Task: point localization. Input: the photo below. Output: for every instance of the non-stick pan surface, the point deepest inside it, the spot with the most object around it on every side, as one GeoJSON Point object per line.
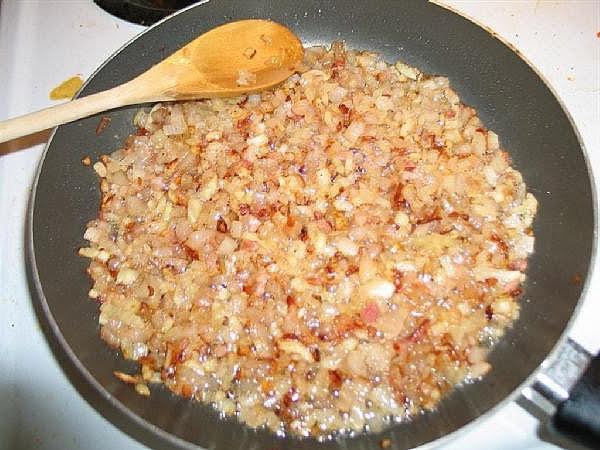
{"type": "Point", "coordinates": [511, 99]}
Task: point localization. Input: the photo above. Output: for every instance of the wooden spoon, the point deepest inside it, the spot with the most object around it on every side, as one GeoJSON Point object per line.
{"type": "Point", "coordinates": [230, 60]}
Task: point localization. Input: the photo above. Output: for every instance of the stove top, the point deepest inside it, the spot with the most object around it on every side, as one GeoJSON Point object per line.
{"type": "Point", "coordinates": [43, 42]}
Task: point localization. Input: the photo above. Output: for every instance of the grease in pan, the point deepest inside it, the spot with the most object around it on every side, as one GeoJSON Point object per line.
{"type": "Point", "coordinates": [322, 258]}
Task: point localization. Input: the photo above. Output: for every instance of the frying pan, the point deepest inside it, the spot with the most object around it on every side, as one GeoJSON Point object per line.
{"type": "Point", "coordinates": [534, 357]}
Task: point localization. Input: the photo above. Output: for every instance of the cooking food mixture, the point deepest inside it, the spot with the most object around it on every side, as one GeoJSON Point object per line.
{"type": "Point", "coordinates": [321, 258]}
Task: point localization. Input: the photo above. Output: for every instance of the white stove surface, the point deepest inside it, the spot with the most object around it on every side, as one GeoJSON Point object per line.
{"type": "Point", "coordinates": [43, 42]}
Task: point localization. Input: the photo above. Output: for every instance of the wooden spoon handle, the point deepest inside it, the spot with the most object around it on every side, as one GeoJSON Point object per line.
{"type": "Point", "coordinates": [65, 112]}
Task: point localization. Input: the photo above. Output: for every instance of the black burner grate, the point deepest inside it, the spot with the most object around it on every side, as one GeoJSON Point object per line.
{"type": "Point", "coordinates": [144, 12]}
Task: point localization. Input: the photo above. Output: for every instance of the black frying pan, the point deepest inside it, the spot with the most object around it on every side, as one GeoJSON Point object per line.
{"type": "Point", "coordinates": [511, 99]}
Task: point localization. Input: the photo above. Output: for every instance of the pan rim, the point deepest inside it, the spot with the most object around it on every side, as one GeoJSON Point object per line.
{"type": "Point", "coordinates": [122, 409]}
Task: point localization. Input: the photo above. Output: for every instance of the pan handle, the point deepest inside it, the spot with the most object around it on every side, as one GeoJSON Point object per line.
{"type": "Point", "coordinates": [567, 391]}
{"type": "Point", "coordinates": [579, 416]}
